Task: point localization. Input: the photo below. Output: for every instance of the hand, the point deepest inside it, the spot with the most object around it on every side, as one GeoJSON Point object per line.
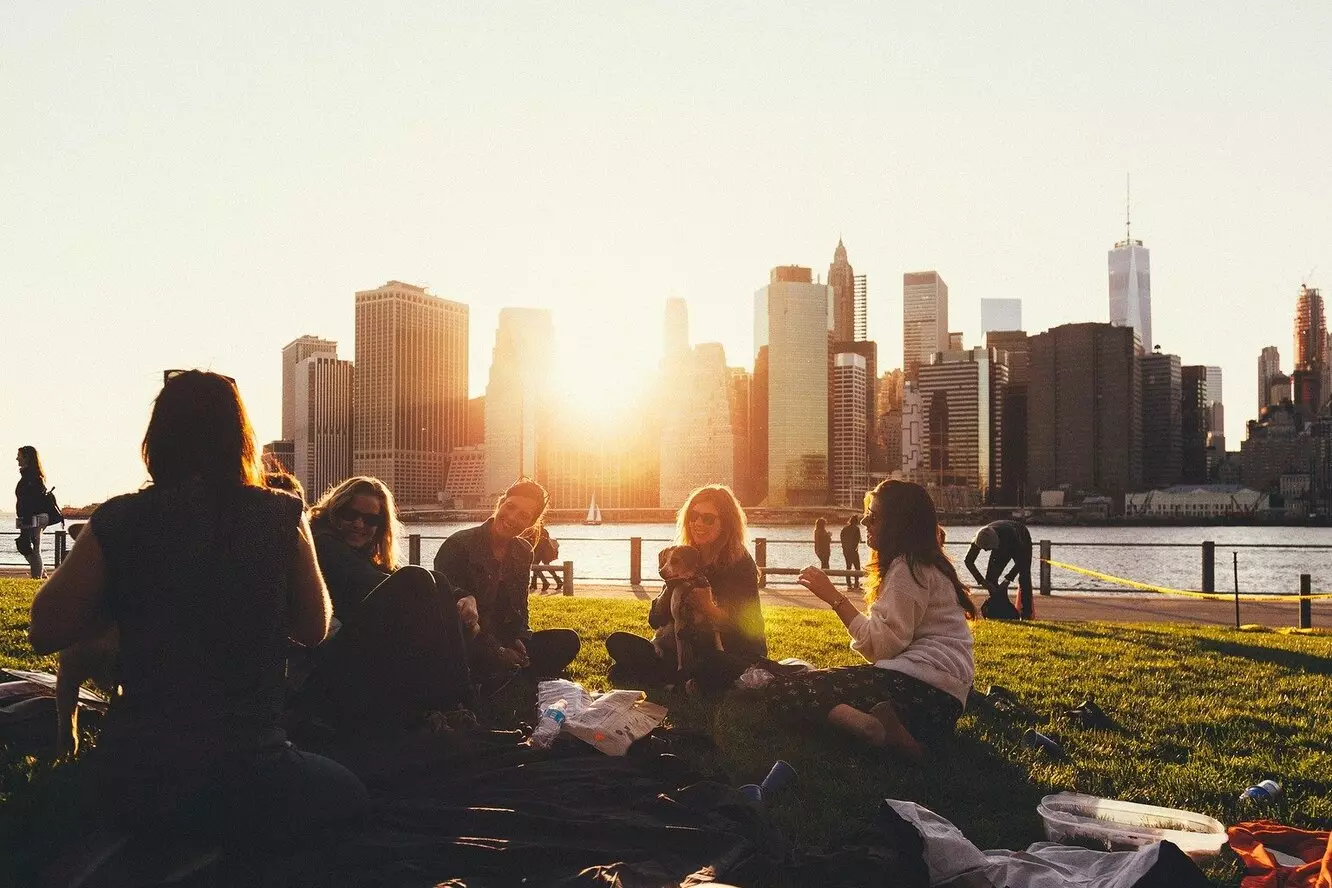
{"type": "Point", "coordinates": [817, 582]}
{"type": "Point", "coordinates": [513, 657]}
{"type": "Point", "coordinates": [468, 614]}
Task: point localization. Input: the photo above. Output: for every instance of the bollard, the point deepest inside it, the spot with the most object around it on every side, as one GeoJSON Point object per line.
{"type": "Point", "coordinates": [635, 561]}
{"type": "Point", "coordinates": [761, 559]}
{"type": "Point", "coordinates": [61, 543]}
{"type": "Point", "coordinates": [1045, 567]}
{"type": "Point", "coordinates": [1208, 566]}
{"type": "Point", "coordinates": [568, 578]}
{"type": "Point", "coordinates": [414, 549]}
{"type": "Point", "coordinates": [1306, 603]}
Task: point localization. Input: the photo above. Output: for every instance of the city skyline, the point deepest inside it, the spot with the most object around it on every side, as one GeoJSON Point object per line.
{"type": "Point", "coordinates": [198, 214]}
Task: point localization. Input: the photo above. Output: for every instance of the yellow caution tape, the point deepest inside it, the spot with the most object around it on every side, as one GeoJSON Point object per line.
{"type": "Point", "coordinates": [1148, 587]}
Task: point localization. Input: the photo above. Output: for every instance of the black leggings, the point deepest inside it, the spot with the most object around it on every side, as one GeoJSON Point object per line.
{"type": "Point", "coordinates": [400, 654]}
{"type": "Point", "coordinates": [636, 661]}
{"type": "Point", "coordinates": [550, 651]}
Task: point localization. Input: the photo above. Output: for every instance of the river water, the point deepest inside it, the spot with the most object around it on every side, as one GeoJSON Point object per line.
{"type": "Point", "coordinates": [1269, 559]}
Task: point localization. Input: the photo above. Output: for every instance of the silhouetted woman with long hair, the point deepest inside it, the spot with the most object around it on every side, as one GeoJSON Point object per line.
{"type": "Point", "coordinates": [915, 635]}
{"type": "Point", "coordinates": [207, 574]}
{"type": "Point", "coordinates": [30, 504]}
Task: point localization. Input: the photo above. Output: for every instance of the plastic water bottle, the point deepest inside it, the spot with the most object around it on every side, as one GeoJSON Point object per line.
{"type": "Point", "coordinates": [549, 725]}
{"type": "Point", "coordinates": [1265, 791]}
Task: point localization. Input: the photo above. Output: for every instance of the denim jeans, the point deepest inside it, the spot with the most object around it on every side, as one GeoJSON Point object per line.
{"type": "Point", "coordinates": [34, 536]}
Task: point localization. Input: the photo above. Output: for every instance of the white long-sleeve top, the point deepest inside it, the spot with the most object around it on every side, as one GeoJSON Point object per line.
{"type": "Point", "coordinates": [917, 627]}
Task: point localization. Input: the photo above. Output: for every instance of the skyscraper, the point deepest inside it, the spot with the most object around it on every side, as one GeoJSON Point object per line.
{"type": "Point", "coordinates": [1269, 368]}
{"type": "Point", "coordinates": [1310, 352]}
{"type": "Point", "coordinates": [411, 388]}
{"type": "Point", "coordinates": [1000, 314]}
{"type": "Point", "coordinates": [697, 438]}
{"type": "Point", "coordinates": [1162, 391]}
{"type": "Point", "coordinates": [861, 325]}
{"type": "Point", "coordinates": [1084, 421]}
{"type": "Point", "coordinates": [323, 427]}
{"type": "Point", "coordinates": [739, 387]}
{"type": "Point", "coordinates": [518, 398]}
{"type": "Point", "coordinates": [1131, 287]}
{"type": "Point", "coordinates": [962, 396]}
{"type": "Point", "coordinates": [842, 279]}
{"type": "Point", "coordinates": [1216, 411]}
{"type": "Point", "coordinates": [292, 354]}
{"type": "Point", "coordinates": [1011, 348]}
{"type": "Point", "coordinates": [1195, 412]}
{"type": "Point", "coordinates": [924, 319]}
{"type": "Point", "coordinates": [791, 326]}
{"type": "Point", "coordinates": [850, 437]}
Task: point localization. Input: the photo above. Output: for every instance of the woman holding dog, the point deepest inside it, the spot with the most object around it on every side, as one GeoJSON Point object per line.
{"type": "Point", "coordinates": [711, 521]}
{"type": "Point", "coordinates": [915, 635]}
{"type": "Point", "coordinates": [489, 567]}
{"type": "Point", "coordinates": [207, 574]}
{"type": "Point", "coordinates": [399, 651]}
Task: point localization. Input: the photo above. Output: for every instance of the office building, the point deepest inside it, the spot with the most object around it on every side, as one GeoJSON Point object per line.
{"type": "Point", "coordinates": [410, 406]}
{"type": "Point", "coordinates": [322, 441]}
{"type": "Point", "coordinates": [518, 397]}
{"type": "Point", "coordinates": [465, 478]}
{"type": "Point", "coordinates": [1084, 419]}
{"type": "Point", "coordinates": [1000, 314]}
{"type": "Point", "coordinates": [1269, 367]}
{"type": "Point", "coordinates": [962, 397]}
{"type": "Point", "coordinates": [915, 434]}
{"type": "Point", "coordinates": [1010, 348]}
{"type": "Point", "coordinates": [1310, 352]}
{"type": "Point", "coordinates": [870, 352]}
{"type": "Point", "coordinates": [1161, 423]}
{"type": "Point", "coordinates": [850, 436]}
{"type": "Point", "coordinates": [791, 327]}
{"type": "Point", "coordinates": [739, 390]}
{"type": "Point", "coordinates": [1194, 414]}
{"type": "Point", "coordinates": [861, 326]}
{"type": "Point", "coordinates": [1131, 288]}
{"type": "Point", "coordinates": [697, 440]}
{"type": "Point", "coordinates": [924, 319]}
{"type": "Point", "coordinates": [476, 422]}
{"type": "Point", "coordinates": [955, 342]}
{"type": "Point", "coordinates": [1216, 411]}
{"type": "Point", "coordinates": [292, 354]}
{"type": "Point", "coordinates": [842, 279]}
{"type": "Point", "coordinates": [617, 465]}
{"type": "Point", "coordinates": [279, 456]}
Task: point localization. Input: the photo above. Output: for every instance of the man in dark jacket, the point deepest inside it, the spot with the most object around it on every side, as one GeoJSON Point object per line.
{"type": "Point", "coordinates": [1007, 542]}
{"type": "Point", "coordinates": [851, 549]}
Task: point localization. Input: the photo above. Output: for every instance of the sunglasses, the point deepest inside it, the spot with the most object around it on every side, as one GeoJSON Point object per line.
{"type": "Point", "coordinates": [707, 519]}
{"type": "Point", "coordinates": [168, 375]}
{"type": "Point", "coordinates": [369, 519]}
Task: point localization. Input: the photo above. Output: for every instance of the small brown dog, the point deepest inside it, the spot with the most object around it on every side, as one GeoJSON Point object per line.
{"type": "Point", "coordinates": [686, 598]}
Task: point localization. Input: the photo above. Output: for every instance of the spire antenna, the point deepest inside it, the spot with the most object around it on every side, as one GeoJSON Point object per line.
{"type": "Point", "coordinates": [1128, 206]}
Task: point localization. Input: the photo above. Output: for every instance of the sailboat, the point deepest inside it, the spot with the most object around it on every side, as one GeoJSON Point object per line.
{"type": "Point", "coordinates": [593, 512]}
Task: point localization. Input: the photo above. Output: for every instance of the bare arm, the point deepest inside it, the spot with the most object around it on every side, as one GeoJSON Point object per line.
{"type": "Point", "coordinates": [71, 606]}
{"type": "Point", "coordinates": [311, 608]}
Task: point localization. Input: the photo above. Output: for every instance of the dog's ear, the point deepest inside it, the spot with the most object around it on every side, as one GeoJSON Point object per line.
{"type": "Point", "coordinates": [662, 556]}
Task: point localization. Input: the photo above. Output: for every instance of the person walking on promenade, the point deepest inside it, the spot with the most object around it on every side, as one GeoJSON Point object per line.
{"type": "Point", "coordinates": [822, 543]}
{"type": "Point", "coordinates": [711, 521]}
{"type": "Point", "coordinates": [851, 549]}
{"type": "Point", "coordinates": [489, 566]}
{"type": "Point", "coordinates": [207, 574]}
{"type": "Point", "coordinates": [399, 653]}
{"type": "Point", "coordinates": [915, 636]}
{"type": "Point", "coordinates": [30, 504]}
{"type": "Point", "coordinates": [1007, 542]}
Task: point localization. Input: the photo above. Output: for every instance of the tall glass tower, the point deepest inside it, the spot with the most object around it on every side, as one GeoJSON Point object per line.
{"type": "Point", "coordinates": [1131, 287]}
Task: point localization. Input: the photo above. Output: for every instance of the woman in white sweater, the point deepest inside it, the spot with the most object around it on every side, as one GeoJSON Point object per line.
{"type": "Point", "coordinates": [915, 634]}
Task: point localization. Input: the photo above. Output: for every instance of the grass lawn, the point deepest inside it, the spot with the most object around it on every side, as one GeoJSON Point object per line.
{"type": "Point", "coordinates": [1205, 713]}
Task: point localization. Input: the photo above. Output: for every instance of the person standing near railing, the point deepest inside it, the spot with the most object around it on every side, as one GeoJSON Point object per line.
{"type": "Point", "coordinates": [822, 543]}
{"type": "Point", "coordinates": [851, 550]}
{"type": "Point", "coordinates": [30, 497]}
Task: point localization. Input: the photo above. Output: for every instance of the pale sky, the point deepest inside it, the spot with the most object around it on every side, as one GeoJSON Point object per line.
{"type": "Point", "coordinates": [196, 184]}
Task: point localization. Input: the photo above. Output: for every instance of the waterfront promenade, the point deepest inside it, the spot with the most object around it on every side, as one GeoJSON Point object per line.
{"type": "Point", "coordinates": [1116, 608]}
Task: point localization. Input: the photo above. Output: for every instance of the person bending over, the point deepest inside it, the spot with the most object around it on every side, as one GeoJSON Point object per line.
{"type": "Point", "coordinates": [1007, 541]}
{"type": "Point", "coordinates": [711, 521]}
{"type": "Point", "coordinates": [915, 635]}
{"type": "Point", "coordinates": [207, 574]}
{"type": "Point", "coordinates": [488, 566]}
{"type": "Point", "coordinates": [399, 651]}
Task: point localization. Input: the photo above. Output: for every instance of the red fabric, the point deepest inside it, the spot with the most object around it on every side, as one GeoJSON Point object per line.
{"type": "Point", "coordinates": [1252, 840]}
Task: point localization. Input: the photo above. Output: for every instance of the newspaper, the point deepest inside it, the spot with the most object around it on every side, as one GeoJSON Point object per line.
{"type": "Point", "coordinates": [44, 683]}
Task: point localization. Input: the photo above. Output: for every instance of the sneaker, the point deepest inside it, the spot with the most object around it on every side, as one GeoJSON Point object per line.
{"type": "Point", "coordinates": [1092, 716]}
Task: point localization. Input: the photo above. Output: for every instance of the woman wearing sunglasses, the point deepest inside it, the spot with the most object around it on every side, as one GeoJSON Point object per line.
{"type": "Point", "coordinates": [398, 652]}
{"type": "Point", "coordinates": [712, 522]}
{"type": "Point", "coordinates": [207, 574]}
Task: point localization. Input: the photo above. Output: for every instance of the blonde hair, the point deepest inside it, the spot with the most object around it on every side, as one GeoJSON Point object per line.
{"type": "Point", "coordinates": [734, 542]}
{"type": "Point", "coordinates": [383, 548]}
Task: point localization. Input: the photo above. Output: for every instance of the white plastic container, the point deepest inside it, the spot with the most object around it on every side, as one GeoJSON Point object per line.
{"type": "Point", "coordinates": [1107, 824]}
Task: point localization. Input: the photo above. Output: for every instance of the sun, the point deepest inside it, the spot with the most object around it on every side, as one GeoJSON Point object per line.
{"type": "Point", "coordinates": [601, 378]}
